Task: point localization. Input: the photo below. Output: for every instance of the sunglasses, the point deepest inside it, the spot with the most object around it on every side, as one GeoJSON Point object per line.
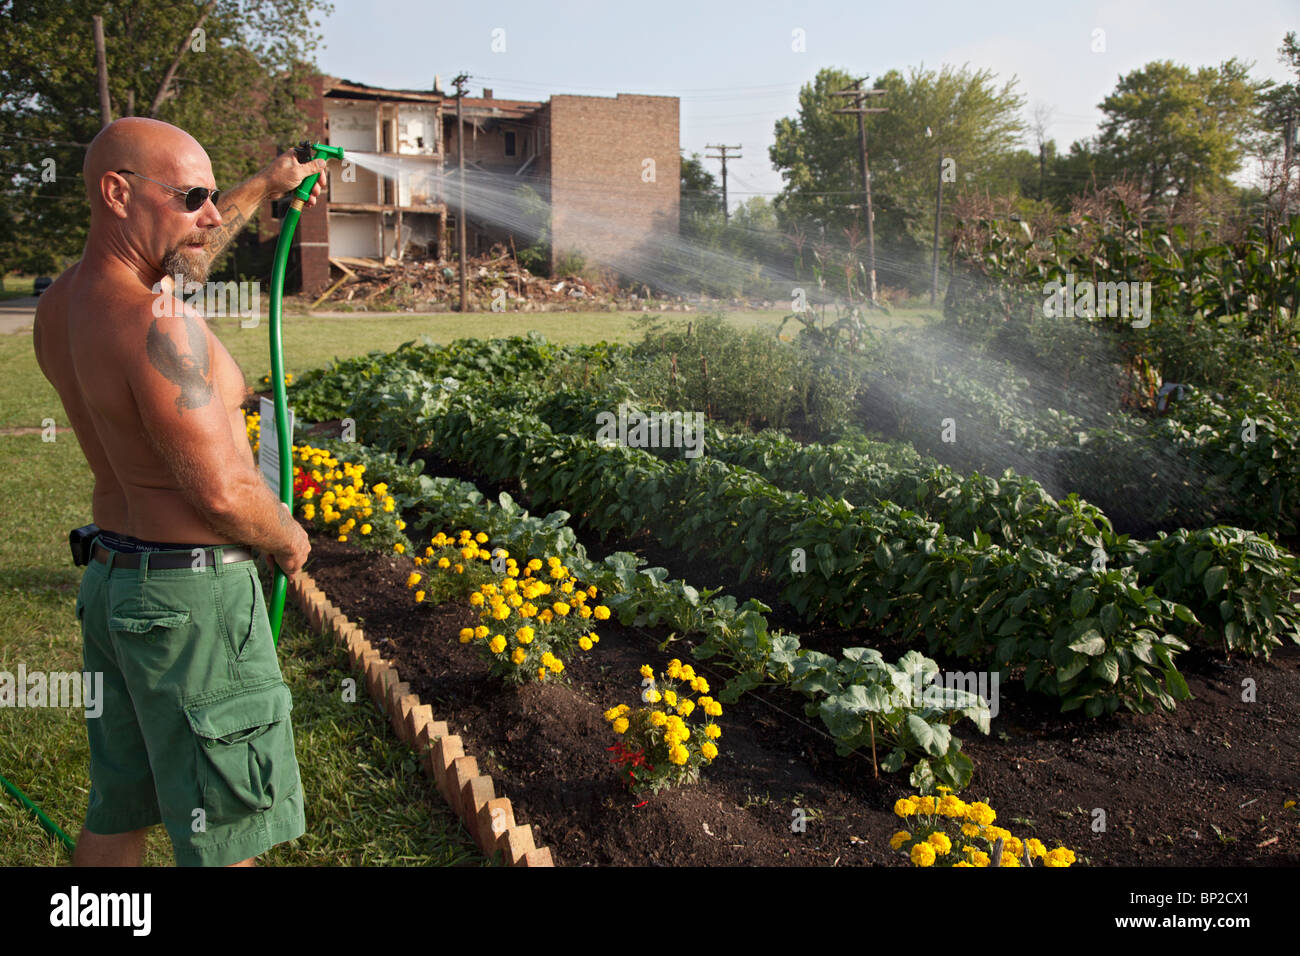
{"type": "Point", "coordinates": [195, 197]}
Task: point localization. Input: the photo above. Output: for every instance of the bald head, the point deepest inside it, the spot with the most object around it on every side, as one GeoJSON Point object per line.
{"type": "Point", "coordinates": [144, 218]}
{"type": "Point", "coordinates": [147, 146]}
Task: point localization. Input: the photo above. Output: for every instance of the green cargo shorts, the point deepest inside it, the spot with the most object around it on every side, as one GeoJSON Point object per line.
{"type": "Point", "coordinates": [194, 730]}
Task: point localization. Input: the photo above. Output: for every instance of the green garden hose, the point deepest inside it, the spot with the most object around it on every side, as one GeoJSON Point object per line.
{"type": "Point", "coordinates": [50, 826]}
{"type": "Point", "coordinates": [306, 153]}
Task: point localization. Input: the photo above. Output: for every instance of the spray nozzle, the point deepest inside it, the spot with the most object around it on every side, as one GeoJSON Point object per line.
{"type": "Point", "coordinates": [305, 153]}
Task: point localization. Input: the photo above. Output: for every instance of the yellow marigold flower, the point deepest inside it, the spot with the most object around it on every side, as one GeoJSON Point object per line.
{"type": "Point", "coordinates": [1059, 857]}
{"type": "Point", "coordinates": [399, 547]}
{"type": "Point", "coordinates": [658, 718]}
{"type": "Point", "coordinates": [688, 673]}
{"type": "Point", "coordinates": [534, 565]}
{"type": "Point", "coordinates": [556, 664]}
{"type": "Point", "coordinates": [591, 591]}
{"type": "Point", "coordinates": [904, 807]}
{"type": "Point", "coordinates": [601, 612]}
{"type": "Point", "coordinates": [413, 579]}
{"type": "Point", "coordinates": [518, 656]}
{"type": "Point", "coordinates": [380, 489]}
{"type": "Point", "coordinates": [513, 572]}
{"type": "Point", "coordinates": [670, 698]}
{"type": "Point", "coordinates": [708, 751]}
{"type": "Point", "coordinates": [713, 730]}
{"type": "Point", "coordinates": [714, 709]}
{"type": "Point", "coordinates": [567, 587]}
{"type": "Point", "coordinates": [584, 612]}
{"type": "Point", "coordinates": [428, 552]}
{"type": "Point", "coordinates": [922, 854]}
{"type": "Point", "coordinates": [981, 813]}
{"type": "Point", "coordinates": [459, 569]}
{"type": "Point", "coordinates": [308, 493]}
{"type": "Point", "coordinates": [497, 644]}
{"type": "Point", "coordinates": [925, 805]}
{"type": "Point", "coordinates": [940, 842]}
{"type": "Point", "coordinates": [1008, 859]}
{"type": "Point", "coordinates": [546, 616]}
{"type": "Point", "coordinates": [678, 755]}
{"type": "Point", "coordinates": [970, 830]}
{"type": "Point", "coordinates": [401, 525]}
{"type": "Point", "coordinates": [700, 685]}
{"type": "Point", "coordinates": [962, 863]}
{"type": "Point", "coordinates": [646, 671]}
{"type": "Point", "coordinates": [500, 612]}
{"type": "Point", "coordinates": [1013, 845]}
{"type": "Point", "coordinates": [466, 635]}
{"type": "Point", "coordinates": [620, 725]}
{"type": "Point", "coordinates": [951, 806]}
{"type": "Point", "coordinates": [476, 599]}
{"type": "Point", "coordinates": [343, 537]}
{"type": "Point", "coordinates": [979, 857]}
{"type": "Point", "coordinates": [594, 638]}
{"type": "Point", "coordinates": [525, 634]}
{"type": "Point", "coordinates": [541, 673]}
{"type": "Point", "coordinates": [309, 512]}
{"type": "Point", "coordinates": [898, 839]}
{"type": "Point", "coordinates": [560, 608]}
{"type": "Point", "coordinates": [584, 643]}
{"type": "Point", "coordinates": [1036, 848]}
{"type": "Point", "coordinates": [514, 600]}
{"type": "Point", "coordinates": [481, 631]}
{"type": "Point", "coordinates": [672, 738]}
{"type": "Point", "coordinates": [366, 529]}
{"type": "Point", "coordinates": [444, 563]}
{"type": "Point", "coordinates": [684, 707]}
{"type": "Point", "coordinates": [653, 696]}
{"type": "Point", "coordinates": [419, 596]}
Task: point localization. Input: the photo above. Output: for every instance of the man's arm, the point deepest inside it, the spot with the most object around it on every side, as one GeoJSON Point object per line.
{"type": "Point", "coordinates": [187, 422]}
{"type": "Point", "coordinates": [237, 205]}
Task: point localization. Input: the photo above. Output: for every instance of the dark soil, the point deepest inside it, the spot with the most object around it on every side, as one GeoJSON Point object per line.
{"type": "Point", "coordinates": [1204, 785]}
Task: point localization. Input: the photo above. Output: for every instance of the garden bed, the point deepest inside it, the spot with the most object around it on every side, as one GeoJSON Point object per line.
{"type": "Point", "coordinates": [1203, 785]}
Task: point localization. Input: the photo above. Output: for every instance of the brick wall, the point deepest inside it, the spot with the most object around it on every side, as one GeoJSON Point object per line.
{"type": "Point", "coordinates": [602, 207]}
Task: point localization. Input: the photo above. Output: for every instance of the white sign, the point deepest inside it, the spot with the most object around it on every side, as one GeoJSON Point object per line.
{"type": "Point", "coordinates": [268, 445]}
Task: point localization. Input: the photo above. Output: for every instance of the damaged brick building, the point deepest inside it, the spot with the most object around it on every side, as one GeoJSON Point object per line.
{"type": "Point", "coordinates": [608, 166]}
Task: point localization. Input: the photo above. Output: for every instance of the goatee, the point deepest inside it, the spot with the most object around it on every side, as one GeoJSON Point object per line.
{"type": "Point", "coordinates": [192, 267]}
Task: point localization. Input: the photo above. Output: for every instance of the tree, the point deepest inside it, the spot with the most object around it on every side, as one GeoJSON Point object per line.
{"type": "Point", "coordinates": [972, 119]}
{"type": "Point", "coordinates": [231, 84]}
{"type": "Point", "coordinates": [701, 198]}
{"type": "Point", "coordinates": [1182, 133]}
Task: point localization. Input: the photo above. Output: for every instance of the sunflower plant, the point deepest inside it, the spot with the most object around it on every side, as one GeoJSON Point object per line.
{"type": "Point", "coordinates": [668, 742]}
{"type": "Point", "coordinates": [945, 830]}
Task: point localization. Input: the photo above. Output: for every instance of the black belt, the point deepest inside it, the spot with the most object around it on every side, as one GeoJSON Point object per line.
{"type": "Point", "coordinates": [173, 559]}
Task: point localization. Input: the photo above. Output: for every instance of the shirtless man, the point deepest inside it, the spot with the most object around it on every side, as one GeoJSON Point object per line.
{"type": "Point", "coordinates": [191, 678]}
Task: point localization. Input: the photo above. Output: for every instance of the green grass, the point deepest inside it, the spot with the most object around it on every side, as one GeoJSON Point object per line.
{"type": "Point", "coordinates": [16, 287]}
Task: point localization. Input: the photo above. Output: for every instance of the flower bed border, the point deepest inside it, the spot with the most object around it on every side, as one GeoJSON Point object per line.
{"type": "Point", "coordinates": [488, 818]}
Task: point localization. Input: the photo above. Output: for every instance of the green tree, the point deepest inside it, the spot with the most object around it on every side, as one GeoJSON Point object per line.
{"type": "Point", "coordinates": [231, 85]}
{"type": "Point", "coordinates": [1182, 132]}
{"type": "Point", "coordinates": [972, 121]}
{"type": "Point", "coordinates": [701, 199]}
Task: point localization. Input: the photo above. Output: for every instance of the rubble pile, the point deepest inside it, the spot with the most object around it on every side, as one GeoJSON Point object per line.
{"type": "Point", "coordinates": [495, 282]}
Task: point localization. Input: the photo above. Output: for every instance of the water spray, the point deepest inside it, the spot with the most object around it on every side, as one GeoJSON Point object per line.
{"type": "Point", "coordinates": [306, 152]}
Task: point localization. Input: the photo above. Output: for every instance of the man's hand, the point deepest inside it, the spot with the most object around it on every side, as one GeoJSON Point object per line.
{"type": "Point", "coordinates": [295, 557]}
{"type": "Point", "coordinates": [285, 173]}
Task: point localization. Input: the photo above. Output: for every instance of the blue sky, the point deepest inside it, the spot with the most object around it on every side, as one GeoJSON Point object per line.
{"type": "Point", "coordinates": [734, 67]}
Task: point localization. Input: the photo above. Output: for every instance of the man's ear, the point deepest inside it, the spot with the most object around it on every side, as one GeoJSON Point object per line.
{"type": "Point", "coordinates": [115, 191]}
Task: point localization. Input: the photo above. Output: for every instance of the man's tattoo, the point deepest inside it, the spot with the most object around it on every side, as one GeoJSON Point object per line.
{"type": "Point", "coordinates": [192, 371]}
{"type": "Point", "coordinates": [233, 220]}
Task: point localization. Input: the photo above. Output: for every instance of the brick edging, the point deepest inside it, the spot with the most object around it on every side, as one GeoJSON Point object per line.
{"type": "Point", "coordinates": [489, 818]}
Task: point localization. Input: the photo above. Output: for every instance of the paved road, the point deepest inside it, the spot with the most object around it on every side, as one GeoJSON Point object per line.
{"type": "Point", "coordinates": [17, 315]}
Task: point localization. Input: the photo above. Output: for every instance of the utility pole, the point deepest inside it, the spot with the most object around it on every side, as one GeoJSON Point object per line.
{"type": "Point", "coordinates": [101, 70]}
{"type": "Point", "coordinates": [939, 212]}
{"type": "Point", "coordinates": [859, 99]}
{"type": "Point", "coordinates": [459, 82]}
{"type": "Point", "coordinates": [726, 213]}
